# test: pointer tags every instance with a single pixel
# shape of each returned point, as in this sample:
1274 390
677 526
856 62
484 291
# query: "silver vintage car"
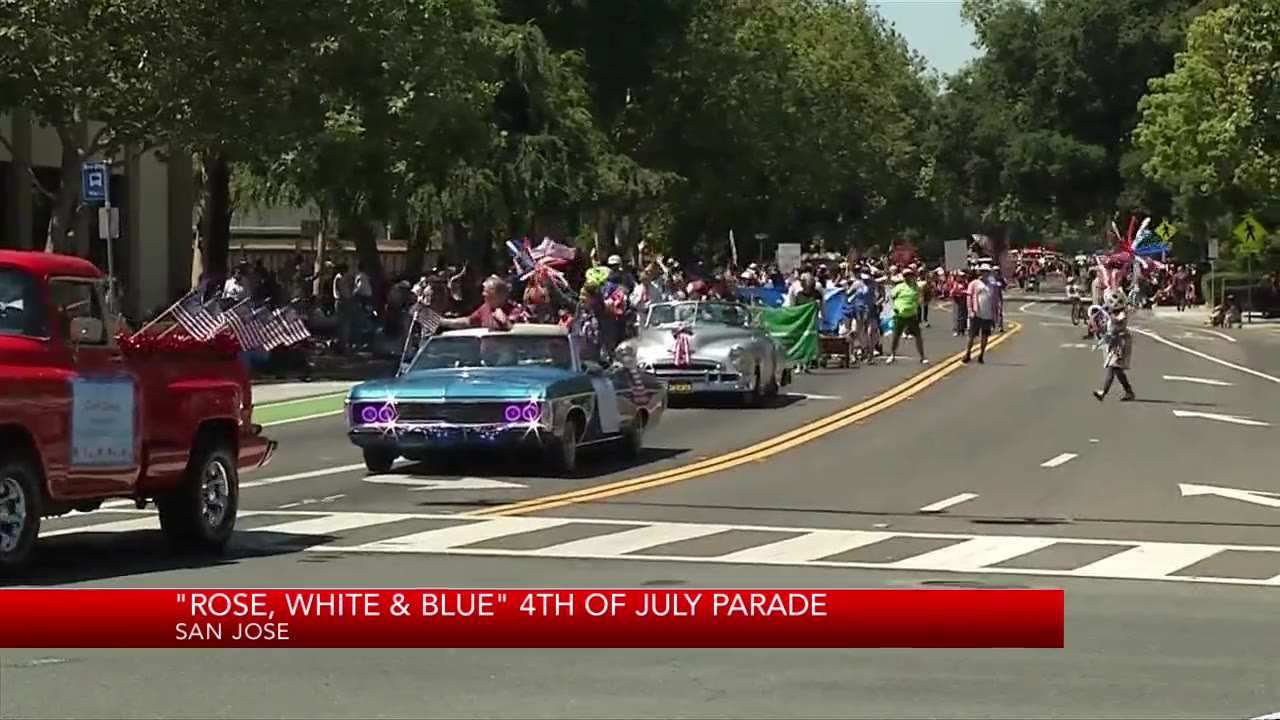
721 351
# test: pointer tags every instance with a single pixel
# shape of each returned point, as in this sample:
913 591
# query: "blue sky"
934 28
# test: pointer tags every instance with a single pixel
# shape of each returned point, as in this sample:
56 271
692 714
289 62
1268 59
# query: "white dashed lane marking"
1057 460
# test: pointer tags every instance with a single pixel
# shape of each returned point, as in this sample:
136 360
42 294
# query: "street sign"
93 182
1251 235
1166 230
956 254
788 257
1213 249
108 223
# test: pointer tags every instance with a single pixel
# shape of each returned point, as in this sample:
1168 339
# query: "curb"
1043 300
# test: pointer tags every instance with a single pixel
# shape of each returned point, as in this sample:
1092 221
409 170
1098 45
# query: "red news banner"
533 618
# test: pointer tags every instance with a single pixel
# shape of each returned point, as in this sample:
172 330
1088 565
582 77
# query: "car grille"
697 366
480 413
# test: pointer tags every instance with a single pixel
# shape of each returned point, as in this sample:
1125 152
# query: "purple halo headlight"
369 414
532 412
512 413
386 414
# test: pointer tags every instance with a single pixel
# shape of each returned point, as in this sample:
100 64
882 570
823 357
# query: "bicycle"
1078 311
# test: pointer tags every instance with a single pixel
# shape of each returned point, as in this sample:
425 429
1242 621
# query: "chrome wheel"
13 513
215 492
569 449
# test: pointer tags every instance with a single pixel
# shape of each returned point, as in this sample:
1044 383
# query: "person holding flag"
497 312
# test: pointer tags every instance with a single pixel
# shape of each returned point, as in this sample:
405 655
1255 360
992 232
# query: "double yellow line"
754 453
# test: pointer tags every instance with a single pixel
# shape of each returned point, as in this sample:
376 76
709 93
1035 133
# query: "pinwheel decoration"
1130 251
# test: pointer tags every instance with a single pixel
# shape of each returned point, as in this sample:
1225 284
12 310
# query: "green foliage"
1210 126
796 120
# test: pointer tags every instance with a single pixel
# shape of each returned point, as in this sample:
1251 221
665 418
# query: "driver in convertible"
497 312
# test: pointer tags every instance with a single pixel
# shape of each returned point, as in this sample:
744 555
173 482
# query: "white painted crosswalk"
542 537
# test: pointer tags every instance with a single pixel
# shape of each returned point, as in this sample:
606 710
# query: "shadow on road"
595 462
1154 401
82 557
721 401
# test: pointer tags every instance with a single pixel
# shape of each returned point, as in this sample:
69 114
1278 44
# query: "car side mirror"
86 329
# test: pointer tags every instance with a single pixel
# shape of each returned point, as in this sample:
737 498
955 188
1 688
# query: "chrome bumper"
255 450
424 435
271 453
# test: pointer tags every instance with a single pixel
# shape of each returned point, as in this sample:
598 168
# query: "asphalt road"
1006 474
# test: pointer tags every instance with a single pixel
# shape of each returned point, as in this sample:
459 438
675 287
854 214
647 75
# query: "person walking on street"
958 293
982 313
995 280
905 297
343 289
809 292
1119 347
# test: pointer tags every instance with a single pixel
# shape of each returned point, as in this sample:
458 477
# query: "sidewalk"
1200 316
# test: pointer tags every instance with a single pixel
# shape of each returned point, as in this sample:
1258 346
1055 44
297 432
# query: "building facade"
154 190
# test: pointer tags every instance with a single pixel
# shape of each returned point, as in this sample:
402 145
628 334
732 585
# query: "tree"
401 100
106 62
247 95
1210 127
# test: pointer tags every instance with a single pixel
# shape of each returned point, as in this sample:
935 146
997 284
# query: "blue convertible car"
487 388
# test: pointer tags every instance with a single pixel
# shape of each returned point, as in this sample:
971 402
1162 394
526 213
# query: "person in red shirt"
497 312
958 292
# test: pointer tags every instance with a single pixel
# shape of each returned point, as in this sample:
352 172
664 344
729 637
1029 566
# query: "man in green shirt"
906 299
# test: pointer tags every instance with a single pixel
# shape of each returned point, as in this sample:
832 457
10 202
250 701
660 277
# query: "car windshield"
20 306
706 313
487 351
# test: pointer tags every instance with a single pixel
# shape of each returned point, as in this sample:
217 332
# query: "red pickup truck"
86 416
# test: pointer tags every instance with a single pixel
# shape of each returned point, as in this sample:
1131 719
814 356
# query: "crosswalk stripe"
777 546
975 554
807 548
629 541
452 538
150 522
329 524
1149 560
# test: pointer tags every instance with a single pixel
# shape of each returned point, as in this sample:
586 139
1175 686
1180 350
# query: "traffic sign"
1213 248
1250 233
93 182
108 223
1166 230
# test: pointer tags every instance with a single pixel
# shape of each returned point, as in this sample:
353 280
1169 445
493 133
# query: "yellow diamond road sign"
1250 233
1166 230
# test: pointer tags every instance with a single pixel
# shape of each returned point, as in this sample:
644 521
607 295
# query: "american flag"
681 352
284 328
195 317
639 393
427 319
248 326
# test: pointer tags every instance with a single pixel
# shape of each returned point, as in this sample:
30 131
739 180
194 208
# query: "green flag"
795 328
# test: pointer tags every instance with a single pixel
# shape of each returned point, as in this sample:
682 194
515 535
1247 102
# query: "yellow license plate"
680 387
